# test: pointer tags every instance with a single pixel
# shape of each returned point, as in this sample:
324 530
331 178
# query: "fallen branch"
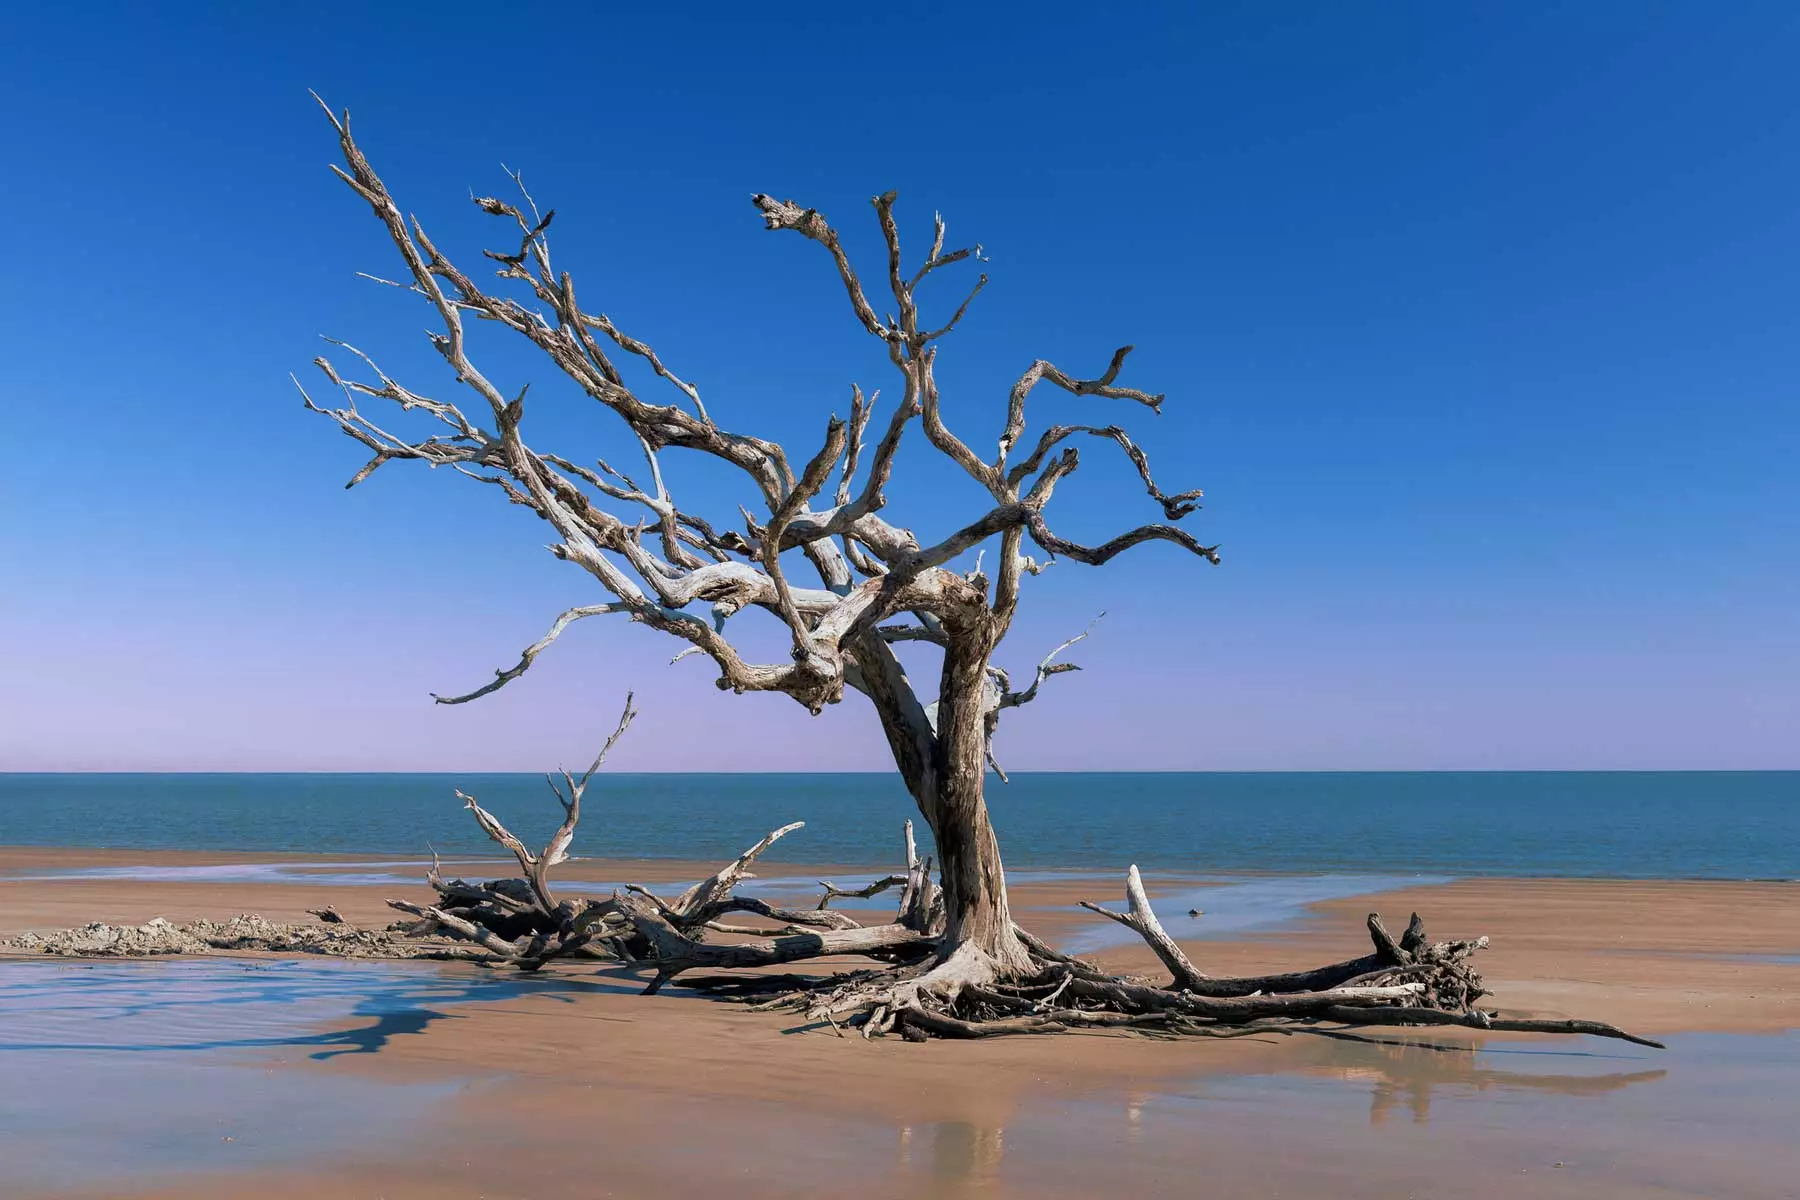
676 952
1142 920
1475 1019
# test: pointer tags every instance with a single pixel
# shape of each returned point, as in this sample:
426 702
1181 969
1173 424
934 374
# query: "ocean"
1675 825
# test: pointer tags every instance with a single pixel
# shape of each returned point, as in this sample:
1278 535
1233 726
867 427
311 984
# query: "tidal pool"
116 1069
1390 1115
172 1070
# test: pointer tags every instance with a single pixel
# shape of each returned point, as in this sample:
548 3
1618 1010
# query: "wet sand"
592 1090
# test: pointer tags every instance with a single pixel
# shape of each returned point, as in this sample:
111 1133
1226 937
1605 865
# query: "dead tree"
655 561
877 584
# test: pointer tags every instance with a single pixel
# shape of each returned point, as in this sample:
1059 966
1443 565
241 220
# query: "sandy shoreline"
544 1070
1655 956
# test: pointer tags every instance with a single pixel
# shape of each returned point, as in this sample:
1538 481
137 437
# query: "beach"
1309 711
582 1087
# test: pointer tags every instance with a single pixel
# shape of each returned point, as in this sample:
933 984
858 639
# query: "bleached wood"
878 583
870 568
1141 919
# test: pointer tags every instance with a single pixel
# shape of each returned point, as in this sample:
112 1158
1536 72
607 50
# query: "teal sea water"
1715 825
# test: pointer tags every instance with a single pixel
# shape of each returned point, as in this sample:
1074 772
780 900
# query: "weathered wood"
1413 940
676 952
520 920
870 570
833 891
971 872
1057 1021
1385 945
1044 952
1314 980
480 935
715 888
921 900
821 918
1142 920
1139 998
1480 1020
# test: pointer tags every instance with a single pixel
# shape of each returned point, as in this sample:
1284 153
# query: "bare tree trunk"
945 769
974 879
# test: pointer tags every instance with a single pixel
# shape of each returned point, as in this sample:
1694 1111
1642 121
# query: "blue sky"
1478 325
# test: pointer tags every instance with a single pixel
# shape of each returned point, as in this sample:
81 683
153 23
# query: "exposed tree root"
958 991
962 994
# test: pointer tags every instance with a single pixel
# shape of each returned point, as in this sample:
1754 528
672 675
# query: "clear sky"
1480 326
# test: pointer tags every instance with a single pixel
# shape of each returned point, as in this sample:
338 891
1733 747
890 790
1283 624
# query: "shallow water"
325 873
119 1070
1712 1116
1234 906
113 1069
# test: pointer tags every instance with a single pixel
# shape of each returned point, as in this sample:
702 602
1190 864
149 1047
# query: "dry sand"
601 1092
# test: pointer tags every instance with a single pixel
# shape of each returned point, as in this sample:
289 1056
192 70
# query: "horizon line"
326 771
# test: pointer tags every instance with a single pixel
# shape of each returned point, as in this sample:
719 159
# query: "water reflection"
962 1158
1135 1103
117 1069
1409 1079
1405 1073
198 1005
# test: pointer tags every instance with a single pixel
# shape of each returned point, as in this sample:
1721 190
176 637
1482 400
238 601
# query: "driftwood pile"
927 988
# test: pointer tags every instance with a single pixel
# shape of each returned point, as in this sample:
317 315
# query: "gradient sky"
1479 325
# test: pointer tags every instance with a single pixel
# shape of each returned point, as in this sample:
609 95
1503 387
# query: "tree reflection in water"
1405 1072
964 1158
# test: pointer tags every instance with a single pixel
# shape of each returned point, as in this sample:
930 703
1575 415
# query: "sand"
601 1092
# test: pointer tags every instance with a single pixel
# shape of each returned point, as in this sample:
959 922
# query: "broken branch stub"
1141 919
